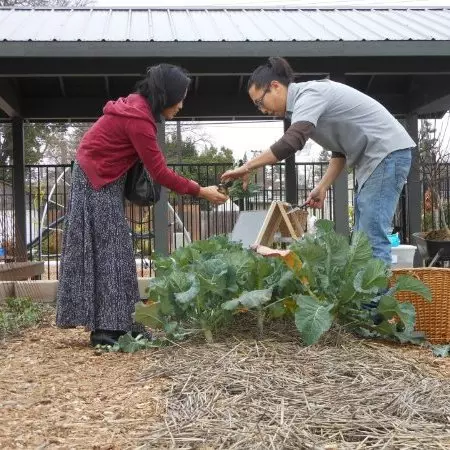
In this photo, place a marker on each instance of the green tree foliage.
(43, 142)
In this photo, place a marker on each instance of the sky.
(244, 137)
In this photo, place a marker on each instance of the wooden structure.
(281, 217)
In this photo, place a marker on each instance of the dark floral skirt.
(98, 282)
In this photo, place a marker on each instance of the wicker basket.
(431, 318)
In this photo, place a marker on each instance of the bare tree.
(434, 160)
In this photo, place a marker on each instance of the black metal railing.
(189, 219)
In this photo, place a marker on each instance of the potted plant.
(434, 160)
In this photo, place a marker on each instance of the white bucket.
(403, 256)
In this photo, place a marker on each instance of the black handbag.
(140, 189)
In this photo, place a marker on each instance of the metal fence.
(189, 219)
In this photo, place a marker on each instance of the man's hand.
(239, 172)
(316, 198)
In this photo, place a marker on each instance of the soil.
(438, 235)
(56, 392)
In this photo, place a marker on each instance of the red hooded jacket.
(124, 134)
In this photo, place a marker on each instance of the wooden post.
(19, 190)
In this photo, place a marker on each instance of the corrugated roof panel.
(316, 26)
(441, 22)
(33, 23)
(293, 27)
(406, 25)
(352, 20)
(162, 28)
(248, 26)
(204, 26)
(372, 26)
(391, 29)
(118, 26)
(140, 26)
(185, 28)
(13, 24)
(225, 27)
(96, 25)
(51, 25)
(440, 18)
(74, 26)
(270, 20)
(232, 25)
(340, 26)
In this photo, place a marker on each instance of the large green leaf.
(388, 306)
(164, 265)
(287, 283)
(323, 226)
(347, 291)
(441, 350)
(386, 328)
(184, 256)
(263, 269)
(338, 250)
(360, 250)
(159, 290)
(309, 251)
(251, 300)
(192, 291)
(148, 315)
(372, 278)
(212, 275)
(408, 283)
(312, 318)
(407, 314)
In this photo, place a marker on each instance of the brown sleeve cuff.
(337, 155)
(294, 139)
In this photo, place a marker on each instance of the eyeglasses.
(259, 103)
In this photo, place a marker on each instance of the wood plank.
(21, 270)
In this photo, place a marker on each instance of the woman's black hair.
(276, 69)
(164, 85)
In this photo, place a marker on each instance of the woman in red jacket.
(98, 284)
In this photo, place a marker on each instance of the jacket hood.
(133, 107)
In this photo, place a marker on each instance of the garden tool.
(294, 208)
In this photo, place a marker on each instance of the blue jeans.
(376, 201)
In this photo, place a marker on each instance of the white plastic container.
(403, 256)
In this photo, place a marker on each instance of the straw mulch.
(239, 393)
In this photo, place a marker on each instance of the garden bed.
(343, 393)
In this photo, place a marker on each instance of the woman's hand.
(211, 194)
(316, 197)
(239, 172)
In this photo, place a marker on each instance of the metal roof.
(224, 25)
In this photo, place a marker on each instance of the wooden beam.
(9, 100)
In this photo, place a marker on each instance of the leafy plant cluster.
(322, 280)
(18, 313)
(237, 191)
